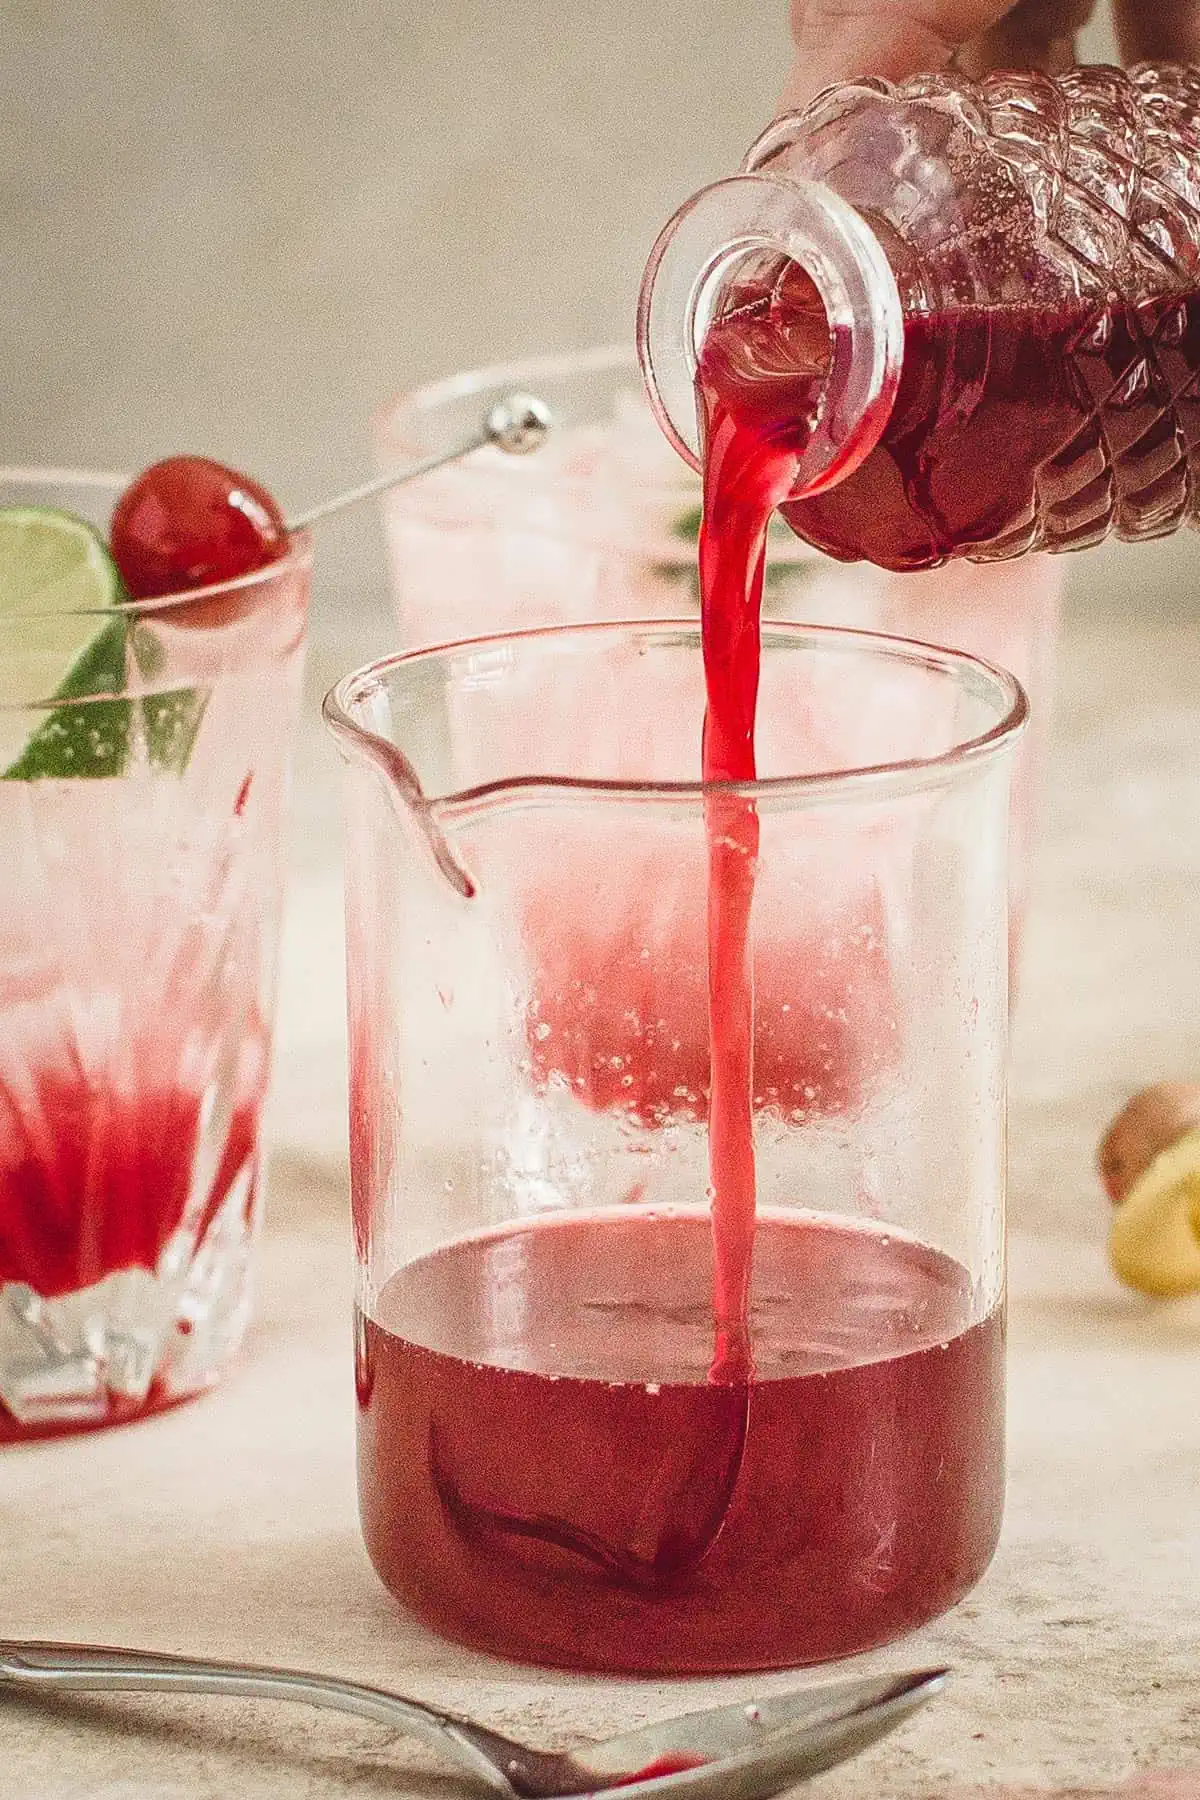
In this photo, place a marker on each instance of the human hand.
(836, 40)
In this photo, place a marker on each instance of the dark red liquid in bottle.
(547, 1471)
(1014, 425)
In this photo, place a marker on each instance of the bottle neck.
(690, 269)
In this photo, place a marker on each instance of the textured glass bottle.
(1010, 274)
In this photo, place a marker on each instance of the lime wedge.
(64, 635)
(55, 571)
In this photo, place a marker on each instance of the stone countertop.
(229, 1526)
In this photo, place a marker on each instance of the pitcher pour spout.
(401, 782)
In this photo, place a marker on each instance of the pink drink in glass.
(139, 912)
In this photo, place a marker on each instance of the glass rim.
(297, 558)
(418, 403)
(677, 481)
(901, 776)
(464, 383)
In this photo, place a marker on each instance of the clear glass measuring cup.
(546, 1468)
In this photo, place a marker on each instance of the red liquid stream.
(757, 390)
(546, 1471)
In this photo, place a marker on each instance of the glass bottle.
(1008, 273)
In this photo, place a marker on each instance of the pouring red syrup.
(670, 1442)
(749, 464)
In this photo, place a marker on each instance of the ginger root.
(1149, 1162)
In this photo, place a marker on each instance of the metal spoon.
(748, 1751)
(517, 423)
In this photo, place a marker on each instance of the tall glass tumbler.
(141, 813)
(602, 523)
(548, 1468)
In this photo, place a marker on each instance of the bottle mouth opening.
(696, 263)
(742, 269)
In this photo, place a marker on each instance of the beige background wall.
(235, 228)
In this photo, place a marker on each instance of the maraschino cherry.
(189, 523)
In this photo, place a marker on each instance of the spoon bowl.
(755, 1749)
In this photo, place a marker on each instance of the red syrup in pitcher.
(547, 1471)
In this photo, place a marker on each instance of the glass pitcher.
(547, 1468)
(994, 288)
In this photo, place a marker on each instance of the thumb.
(860, 42)
(837, 40)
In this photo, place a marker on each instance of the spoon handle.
(85, 1668)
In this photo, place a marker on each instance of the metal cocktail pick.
(516, 424)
